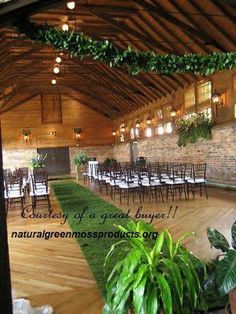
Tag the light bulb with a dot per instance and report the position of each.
(54, 81)
(58, 59)
(65, 27)
(71, 5)
(56, 70)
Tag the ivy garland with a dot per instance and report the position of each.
(194, 127)
(135, 62)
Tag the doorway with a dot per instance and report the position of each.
(57, 161)
(133, 152)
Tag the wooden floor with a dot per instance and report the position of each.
(55, 271)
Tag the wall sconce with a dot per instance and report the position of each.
(137, 124)
(148, 120)
(26, 134)
(114, 133)
(217, 101)
(53, 133)
(173, 112)
(77, 132)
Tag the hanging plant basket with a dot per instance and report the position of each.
(194, 127)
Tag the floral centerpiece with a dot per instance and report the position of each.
(38, 161)
(80, 160)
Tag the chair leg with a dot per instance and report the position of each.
(22, 202)
(205, 186)
(49, 203)
(185, 192)
(193, 191)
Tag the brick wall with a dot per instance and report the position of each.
(100, 152)
(219, 153)
(16, 158)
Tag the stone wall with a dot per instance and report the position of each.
(219, 153)
(100, 152)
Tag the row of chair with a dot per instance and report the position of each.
(24, 182)
(156, 180)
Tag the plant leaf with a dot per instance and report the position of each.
(152, 304)
(158, 245)
(233, 233)
(138, 294)
(176, 276)
(217, 240)
(165, 293)
(226, 273)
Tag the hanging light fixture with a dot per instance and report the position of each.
(137, 124)
(148, 120)
(71, 5)
(58, 59)
(56, 69)
(65, 27)
(173, 112)
(54, 81)
(114, 133)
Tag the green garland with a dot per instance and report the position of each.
(191, 129)
(135, 62)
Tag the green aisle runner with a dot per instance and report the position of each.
(73, 199)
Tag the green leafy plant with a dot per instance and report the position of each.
(225, 270)
(193, 127)
(135, 62)
(110, 162)
(81, 159)
(154, 276)
(38, 161)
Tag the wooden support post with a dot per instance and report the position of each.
(5, 278)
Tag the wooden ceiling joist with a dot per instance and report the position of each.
(162, 26)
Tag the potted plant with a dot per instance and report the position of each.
(37, 161)
(80, 160)
(225, 264)
(153, 277)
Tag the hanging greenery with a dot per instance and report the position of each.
(191, 128)
(135, 62)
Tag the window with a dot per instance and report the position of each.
(204, 92)
(160, 130)
(198, 96)
(190, 98)
(132, 134)
(168, 128)
(148, 132)
(160, 114)
(166, 110)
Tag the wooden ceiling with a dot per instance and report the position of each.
(164, 26)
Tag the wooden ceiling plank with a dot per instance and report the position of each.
(160, 12)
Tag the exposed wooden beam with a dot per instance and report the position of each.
(124, 28)
(160, 12)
